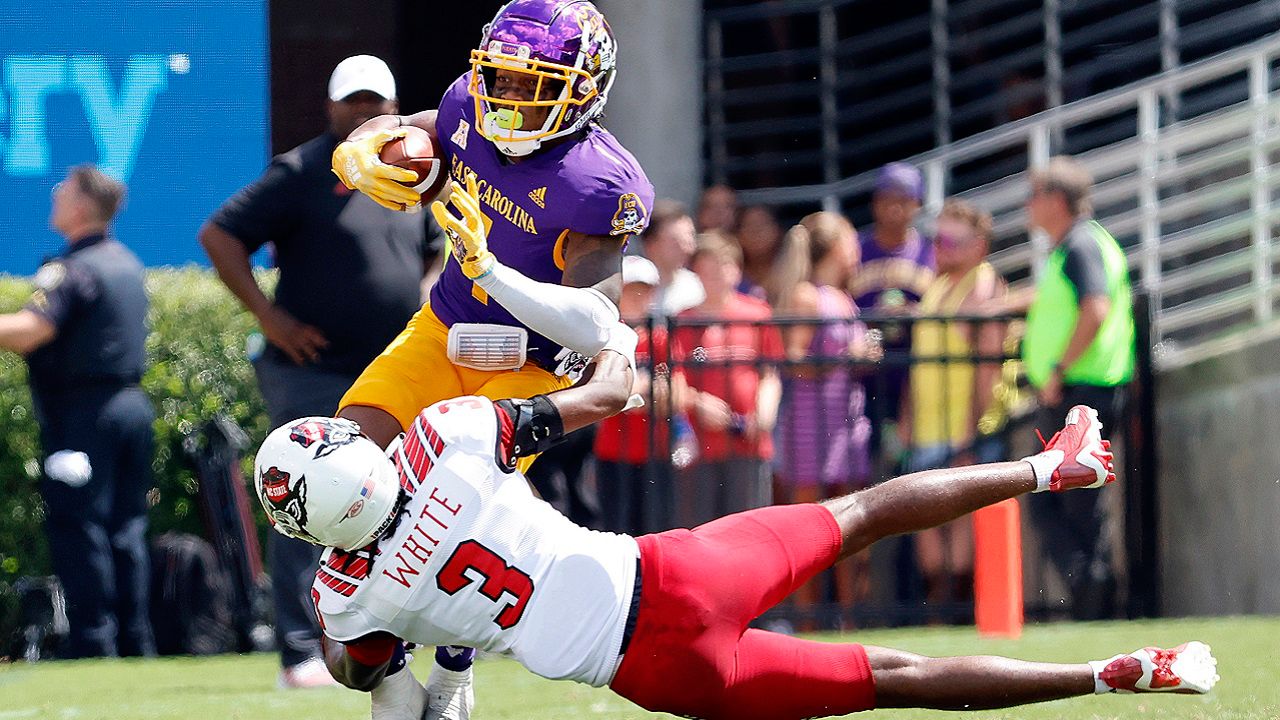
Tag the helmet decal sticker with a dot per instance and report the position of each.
(327, 435)
(286, 503)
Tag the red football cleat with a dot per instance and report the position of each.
(1188, 668)
(1077, 456)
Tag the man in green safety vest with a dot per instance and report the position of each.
(1078, 349)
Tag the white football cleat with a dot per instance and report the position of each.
(1077, 456)
(398, 697)
(449, 694)
(1189, 668)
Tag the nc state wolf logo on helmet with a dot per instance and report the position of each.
(286, 503)
(326, 435)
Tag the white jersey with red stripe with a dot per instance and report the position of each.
(478, 560)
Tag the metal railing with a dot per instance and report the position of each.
(818, 429)
(798, 91)
(1184, 174)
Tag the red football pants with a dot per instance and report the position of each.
(692, 653)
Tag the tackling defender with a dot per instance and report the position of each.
(544, 199)
(441, 542)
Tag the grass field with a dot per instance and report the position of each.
(243, 687)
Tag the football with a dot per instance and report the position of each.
(419, 152)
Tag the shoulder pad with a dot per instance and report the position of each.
(470, 422)
(339, 576)
(342, 572)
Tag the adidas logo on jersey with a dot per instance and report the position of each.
(539, 197)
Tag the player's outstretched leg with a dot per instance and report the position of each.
(1076, 457)
(974, 683)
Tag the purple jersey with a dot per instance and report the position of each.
(909, 269)
(590, 185)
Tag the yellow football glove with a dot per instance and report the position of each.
(357, 165)
(466, 234)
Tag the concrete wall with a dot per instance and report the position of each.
(655, 107)
(1219, 484)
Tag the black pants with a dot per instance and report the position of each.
(1072, 523)
(97, 525)
(291, 392)
(635, 499)
(558, 476)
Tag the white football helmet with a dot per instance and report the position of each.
(320, 480)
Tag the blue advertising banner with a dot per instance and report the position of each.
(170, 97)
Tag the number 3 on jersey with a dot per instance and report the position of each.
(499, 578)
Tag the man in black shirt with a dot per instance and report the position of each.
(84, 333)
(350, 278)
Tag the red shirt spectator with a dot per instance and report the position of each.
(625, 438)
(724, 360)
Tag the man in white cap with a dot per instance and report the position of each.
(635, 486)
(351, 276)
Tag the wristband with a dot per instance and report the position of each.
(536, 424)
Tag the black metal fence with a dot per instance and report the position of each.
(742, 413)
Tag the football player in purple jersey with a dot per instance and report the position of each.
(543, 200)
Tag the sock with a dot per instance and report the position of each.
(454, 657)
(1044, 464)
(399, 658)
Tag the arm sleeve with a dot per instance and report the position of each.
(577, 318)
(62, 288)
(1084, 267)
(264, 210)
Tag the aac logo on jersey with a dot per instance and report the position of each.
(288, 503)
(329, 434)
(631, 217)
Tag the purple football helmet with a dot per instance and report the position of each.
(543, 71)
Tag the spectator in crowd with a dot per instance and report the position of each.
(669, 242)
(350, 279)
(948, 391)
(633, 449)
(1078, 348)
(83, 333)
(897, 267)
(771, 265)
(734, 390)
(897, 262)
(824, 430)
(718, 209)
